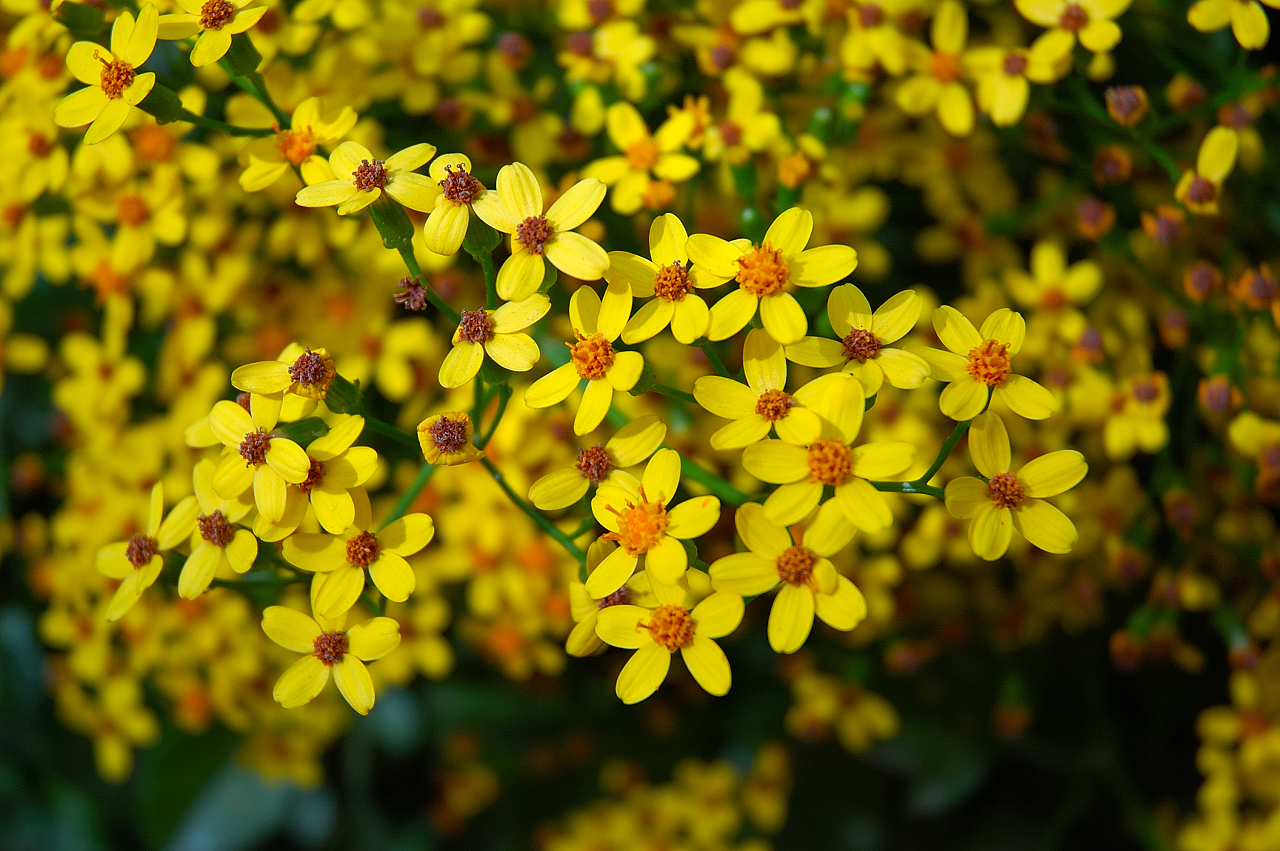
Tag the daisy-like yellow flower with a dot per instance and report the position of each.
(114, 85)
(863, 349)
(500, 333)
(766, 273)
(599, 464)
(1005, 75)
(1198, 189)
(261, 458)
(1003, 500)
(1090, 21)
(830, 461)
(446, 227)
(448, 439)
(809, 580)
(1247, 19)
(215, 21)
(270, 158)
(330, 647)
(137, 562)
(980, 365)
(637, 517)
(360, 179)
(596, 324)
(516, 209)
(760, 405)
(657, 633)
(299, 370)
(215, 544)
(339, 561)
(583, 640)
(668, 280)
(644, 156)
(936, 86)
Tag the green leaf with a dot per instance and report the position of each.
(304, 431)
(480, 239)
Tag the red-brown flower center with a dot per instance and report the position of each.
(448, 435)
(1006, 491)
(475, 326)
(1074, 18)
(593, 463)
(369, 176)
(215, 529)
(253, 449)
(315, 475)
(216, 14)
(459, 186)
(672, 282)
(1201, 190)
(860, 345)
(534, 233)
(362, 550)
(1014, 64)
(330, 647)
(140, 551)
(773, 405)
(312, 369)
(795, 564)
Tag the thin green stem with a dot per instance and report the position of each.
(490, 280)
(406, 499)
(504, 396)
(716, 362)
(674, 393)
(909, 487)
(214, 124)
(945, 452)
(543, 523)
(718, 486)
(255, 79)
(388, 430)
(432, 296)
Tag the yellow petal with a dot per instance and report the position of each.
(783, 318)
(844, 609)
(1053, 473)
(747, 574)
(955, 331)
(575, 255)
(693, 517)
(708, 664)
(595, 403)
(520, 276)
(619, 626)
(301, 682)
(667, 561)
(199, 570)
(822, 266)
(964, 399)
(373, 638)
(1026, 398)
(662, 475)
(790, 232)
(990, 531)
(290, 628)
(552, 388)
(762, 536)
(355, 683)
(791, 618)
(610, 575)
(776, 462)
(636, 441)
(406, 536)
(461, 364)
(965, 495)
(576, 205)
(393, 576)
(519, 192)
(1045, 526)
(989, 445)
(864, 506)
(558, 489)
(643, 673)
(829, 532)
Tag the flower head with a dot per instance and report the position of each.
(599, 464)
(137, 562)
(446, 227)
(114, 85)
(668, 280)
(359, 179)
(448, 439)
(215, 21)
(499, 333)
(256, 456)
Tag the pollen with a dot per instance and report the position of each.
(672, 282)
(593, 463)
(296, 146)
(861, 345)
(370, 175)
(459, 186)
(215, 529)
(312, 369)
(830, 461)
(330, 647)
(795, 565)
(773, 405)
(140, 551)
(117, 75)
(671, 627)
(362, 550)
(315, 475)
(762, 271)
(216, 14)
(534, 233)
(448, 435)
(253, 449)
(641, 525)
(591, 356)
(475, 326)
(1006, 491)
(989, 362)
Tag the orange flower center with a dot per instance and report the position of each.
(671, 627)
(642, 155)
(215, 529)
(216, 14)
(641, 525)
(591, 356)
(117, 75)
(989, 362)
(330, 647)
(131, 210)
(945, 67)
(763, 271)
(140, 550)
(369, 176)
(534, 233)
(296, 145)
(1006, 491)
(672, 282)
(362, 550)
(795, 565)
(253, 449)
(830, 461)
(773, 405)
(861, 345)
(659, 194)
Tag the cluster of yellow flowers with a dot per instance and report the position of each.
(171, 258)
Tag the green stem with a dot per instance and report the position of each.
(712, 356)
(545, 524)
(214, 124)
(388, 430)
(718, 486)
(490, 281)
(910, 487)
(504, 396)
(255, 79)
(432, 296)
(945, 452)
(674, 393)
(378, 607)
(406, 499)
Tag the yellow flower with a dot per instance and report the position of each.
(329, 647)
(215, 20)
(215, 544)
(1198, 189)
(446, 227)
(1247, 18)
(658, 632)
(645, 156)
(762, 404)
(668, 278)
(360, 179)
(516, 209)
(299, 370)
(114, 85)
(766, 273)
(270, 158)
(863, 347)
(1005, 75)
(979, 365)
(137, 562)
(500, 333)
(1002, 500)
(809, 580)
(637, 517)
(256, 456)
(748, 127)
(1091, 21)
(1136, 418)
(937, 86)
(583, 640)
(448, 439)
(599, 464)
(339, 561)
(596, 324)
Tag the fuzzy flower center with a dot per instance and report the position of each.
(1006, 491)
(475, 326)
(117, 75)
(1014, 64)
(593, 463)
(534, 233)
(945, 67)
(795, 565)
(140, 550)
(671, 627)
(830, 461)
(448, 435)
(362, 550)
(617, 598)
(315, 475)
(773, 405)
(861, 345)
(672, 282)
(989, 362)
(1201, 190)
(370, 175)
(1074, 18)
(311, 369)
(641, 525)
(296, 145)
(459, 186)
(215, 529)
(216, 14)
(330, 647)
(642, 155)
(253, 449)
(591, 356)
(762, 271)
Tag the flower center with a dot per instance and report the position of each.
(296, 145)
(773, 405)
(253, 449)
(1127, 104)
(642, 155)
(1074, 18)
(216, 14)
(311, 369)
(132, 210)
(117, 75)
(591, 356)
(315, 475)
(600, 10)
(430, 17)
(475, 326)
(140, 550)
(640, 525)
(730, 133)
(330, 647)
(459, 186)
(672, 282)
(795, 565)
(593, 463)
(1006, 491)
(370, 175)
(830, 461)
(215, 529)
(870, 15)
(1014, 64)
(861, 345)
(945, 67)
(671, 627)
(762, 271)
(448, 435)
(362, 550)
(989, 362)
(1201, 190)
(1145, 391)
(534, 233)
(617, 598)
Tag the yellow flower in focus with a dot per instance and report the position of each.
(215, 21)
(448, 439)
(599, 464)
(1003, 500)
(1198, 189)
(516, 209)
(500, 333)
(863, 347)
(329, 648)
(583, 640)
(667, 279)
(137, 562)
(658, 632)
(360, 179)
(637, 517)
(1247, 18)
(270, 158)
(766, 273)
(1090, 21)
(644, 156)
(809, 580)
(446, 227)
(596, 324)
(979, 365)
(936, 86)
(262, 459)
(114, 85)
(215, 543)
(299, 370)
